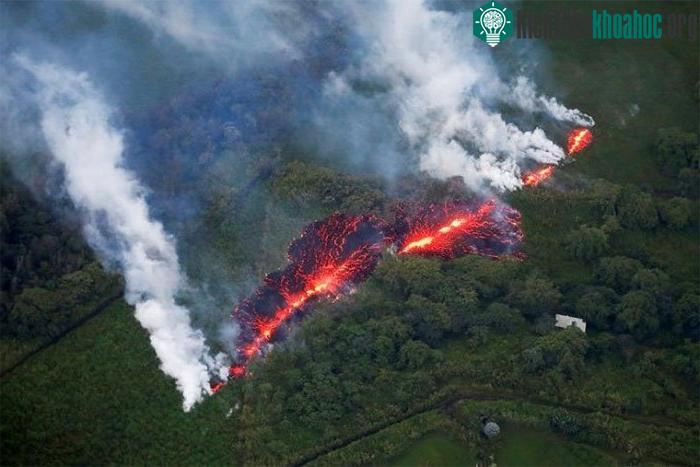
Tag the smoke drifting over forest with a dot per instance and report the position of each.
(75, 124)
(386, 87)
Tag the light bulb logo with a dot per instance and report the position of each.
(493, 23)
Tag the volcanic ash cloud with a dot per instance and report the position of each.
(75, 122)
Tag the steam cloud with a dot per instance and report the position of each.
(76, 125)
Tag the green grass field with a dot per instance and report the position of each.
(97, 397)
(519, 447)
(522, 447)
(435, 449)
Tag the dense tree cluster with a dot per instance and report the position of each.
(47, 269)
(587, 243)
(677, 150)
(386, 349)
(44, 312)
(678, 154)
(304, 184)
(36, 247)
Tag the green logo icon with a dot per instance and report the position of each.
(493, 23)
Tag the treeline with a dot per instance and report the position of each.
(46, 312)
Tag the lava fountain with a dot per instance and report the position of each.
(578, 140)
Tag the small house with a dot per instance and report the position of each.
(564, 321)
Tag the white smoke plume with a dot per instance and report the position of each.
(75, 123)
(233, 34)
(437, 80)
(522, 93)
(440, 85)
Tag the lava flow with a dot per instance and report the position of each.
(334, 254)
(577, 140)
(329, 257)
(537, 176)
(457, 229)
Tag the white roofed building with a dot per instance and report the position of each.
(564, 321)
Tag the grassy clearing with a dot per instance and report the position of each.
(435, 449)
(523, 447)
(418, 440)
(547, 218)
(630, 440)
(13, 350)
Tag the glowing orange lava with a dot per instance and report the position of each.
(334, 254)
(417, 244)
(340, 251)
(453, 230)
(463, 224)
(216, 387)
(328, 284)
(237, 371)
(577, 140)
(325, 261)
(537, 176)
